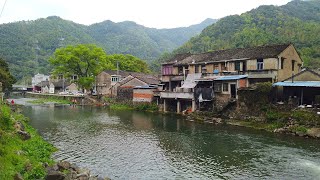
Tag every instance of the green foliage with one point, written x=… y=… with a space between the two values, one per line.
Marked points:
x=49 y=99
x=129 y=63
x=296 y=129
x=305 y=117
x=24 y=157
x=5 y=117
x=29 y=44
x=297 y=22
x=5 y=76
x=84 y=60
x=129 y=106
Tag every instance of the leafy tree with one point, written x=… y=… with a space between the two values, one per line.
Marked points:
x=129 y=63
x=5 y=77
x=84 y=60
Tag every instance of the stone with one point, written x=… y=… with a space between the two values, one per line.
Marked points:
x=63 y=165
x=280 y=130
x=55 y=175
x=314 y=132
x=24 y=135
x=83 y=176
x=18 y=176
x=18 y=126
x=84 y=171
x=74 y=167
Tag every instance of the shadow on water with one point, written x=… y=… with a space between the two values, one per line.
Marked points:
x=141 y=145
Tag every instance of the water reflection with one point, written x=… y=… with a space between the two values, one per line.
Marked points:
x=138 y=145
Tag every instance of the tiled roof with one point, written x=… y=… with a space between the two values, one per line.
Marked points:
x=269 y=51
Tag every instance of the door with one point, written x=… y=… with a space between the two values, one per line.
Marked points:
x=233 y=90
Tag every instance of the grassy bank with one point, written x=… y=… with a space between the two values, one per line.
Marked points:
x=49 y=100
x=114 y=105
x=18 y=154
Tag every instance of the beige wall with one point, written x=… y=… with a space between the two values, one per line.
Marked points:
x=289 y=54
x=103 y=83
x=306 y=76
x=175 y=70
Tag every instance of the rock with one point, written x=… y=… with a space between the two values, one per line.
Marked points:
x=63 y=165
x=314 y=132
x=18 y=126
x=28 y=167
x=83 y=176
x=74 y=167
x=217 y=120
x=55 y=175
x=52 y=168
x=24 y=135
x=301 y=134
x=84 y=171
x=280 y=130
x=18 y=176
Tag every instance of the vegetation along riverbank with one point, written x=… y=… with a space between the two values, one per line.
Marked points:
x=24 y=154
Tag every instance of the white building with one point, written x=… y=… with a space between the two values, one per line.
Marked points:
x=39 y=78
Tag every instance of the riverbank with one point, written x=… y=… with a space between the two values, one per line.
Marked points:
x=24 y=154
x=297 y=122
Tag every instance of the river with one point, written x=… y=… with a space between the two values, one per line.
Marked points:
x=139 y=145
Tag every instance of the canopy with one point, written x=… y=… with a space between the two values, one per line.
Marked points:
x=298 y=83
x=190 y=80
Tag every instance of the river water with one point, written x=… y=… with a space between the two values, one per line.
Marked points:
x=139 y=145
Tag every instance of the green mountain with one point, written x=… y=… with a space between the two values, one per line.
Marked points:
x=27 y=45
x=297 y=22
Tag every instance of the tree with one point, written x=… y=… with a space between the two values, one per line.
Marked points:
x=129 y=63
x=83 y=60
x=5 y=76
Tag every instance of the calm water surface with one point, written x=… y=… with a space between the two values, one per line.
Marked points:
x=137 y=145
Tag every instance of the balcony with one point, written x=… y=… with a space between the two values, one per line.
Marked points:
x=179 y=94
x=270 y=73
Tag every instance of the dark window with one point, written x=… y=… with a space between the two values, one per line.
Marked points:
x=282 y=63
x=293 y=62
x=180 y=70
x=225 y=87
x=237 y=66
x=244 y=68
x=217 y=87
x=196 y=69
x=259 y=64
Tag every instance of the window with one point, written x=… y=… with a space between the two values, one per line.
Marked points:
x=203 y=68
x=282 y=63
x=180 y=70
x=115 y=79
x=293 y=63
x=167 y=70
x=237 y=66
x=196 y=69
x=225 y=87
x=217 y=87
x=60 y=76
x=259 y=64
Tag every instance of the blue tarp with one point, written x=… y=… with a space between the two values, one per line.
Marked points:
x=229 y=78
x=298 y=84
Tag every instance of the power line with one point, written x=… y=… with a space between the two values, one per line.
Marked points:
x=5 y=2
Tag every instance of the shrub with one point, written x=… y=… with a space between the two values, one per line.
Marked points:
x=5 y=116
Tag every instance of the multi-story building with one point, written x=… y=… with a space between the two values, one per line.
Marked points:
x=185 y=73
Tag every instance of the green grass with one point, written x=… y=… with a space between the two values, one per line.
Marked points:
x=52 y=100
x=138 y=107
x=18 y=156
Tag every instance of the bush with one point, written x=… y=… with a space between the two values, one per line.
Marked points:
x=5 y=116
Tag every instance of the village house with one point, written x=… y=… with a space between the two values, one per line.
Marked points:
x=111 y=82
x=300 y=89
x=223 y=72
x=38 y=78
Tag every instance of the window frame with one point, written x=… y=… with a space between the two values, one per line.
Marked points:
x=260 y=64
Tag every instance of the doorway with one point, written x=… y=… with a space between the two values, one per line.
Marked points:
x=233 y=90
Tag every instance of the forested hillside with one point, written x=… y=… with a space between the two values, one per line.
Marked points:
x=27 y=45
x=297 y=22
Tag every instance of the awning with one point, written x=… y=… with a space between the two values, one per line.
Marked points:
x=190 y=80
x=298 y=84
x=230 y=78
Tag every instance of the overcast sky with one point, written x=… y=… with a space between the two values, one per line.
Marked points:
x=150 y=13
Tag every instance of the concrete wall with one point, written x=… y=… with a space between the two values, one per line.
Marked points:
x=306 y=76
x=289 y=54
x=103 y=83
x=124 y=94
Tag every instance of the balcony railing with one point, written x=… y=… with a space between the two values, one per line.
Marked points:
x=177 y=95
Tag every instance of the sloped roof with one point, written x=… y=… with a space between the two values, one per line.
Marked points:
x=43 y=83
x=60 y=83
x=268 y=51
x=315 y=72
x=147 y=78
x=178 y=58
x=298 y=84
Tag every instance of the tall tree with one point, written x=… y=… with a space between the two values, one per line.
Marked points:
x=129 y=63
x=84 y=60
x=5 y=76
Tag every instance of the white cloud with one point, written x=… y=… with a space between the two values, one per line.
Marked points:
x=160 y=14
